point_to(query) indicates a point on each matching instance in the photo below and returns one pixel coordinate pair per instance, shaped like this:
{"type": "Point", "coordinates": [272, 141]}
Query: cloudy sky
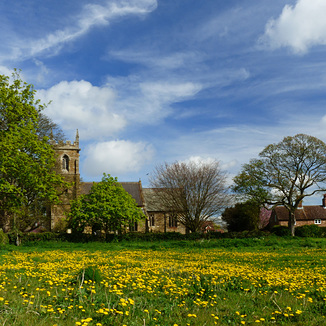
{"type": "Point", "coordinates": [149, 81]}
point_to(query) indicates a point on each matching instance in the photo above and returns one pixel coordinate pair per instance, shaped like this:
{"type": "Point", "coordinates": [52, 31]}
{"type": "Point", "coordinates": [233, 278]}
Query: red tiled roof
{"type": "Point", "coordinates": [302, 214]}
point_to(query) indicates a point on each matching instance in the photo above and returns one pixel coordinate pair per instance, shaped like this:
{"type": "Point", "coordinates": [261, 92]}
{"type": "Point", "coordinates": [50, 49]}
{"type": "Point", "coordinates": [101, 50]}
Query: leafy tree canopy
{"type": "Point", "coordinates": [107, 207]}
{"type": "Point", "coordinates": [285, 173]}
{"type": "Point", "coordinates": [242, 217]}
{"type": "Point", "coordinates": [27, 178]}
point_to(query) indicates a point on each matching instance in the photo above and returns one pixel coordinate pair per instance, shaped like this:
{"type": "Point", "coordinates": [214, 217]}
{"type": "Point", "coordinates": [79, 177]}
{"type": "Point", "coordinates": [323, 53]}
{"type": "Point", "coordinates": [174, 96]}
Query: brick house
{"type": "Point", "coordinates": [305, 215]}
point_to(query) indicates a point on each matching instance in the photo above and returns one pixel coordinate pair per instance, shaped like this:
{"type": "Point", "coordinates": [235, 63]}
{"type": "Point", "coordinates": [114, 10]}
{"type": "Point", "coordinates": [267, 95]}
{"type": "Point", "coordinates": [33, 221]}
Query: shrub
{"type": "Point", "coordinates": [312, 231]}
{"type": "Point", "coordinates": [30, 237]}
{"type": "Point", "coordinates": [323, 231]}
{"type": "Point", "coordinates": [281, 231]}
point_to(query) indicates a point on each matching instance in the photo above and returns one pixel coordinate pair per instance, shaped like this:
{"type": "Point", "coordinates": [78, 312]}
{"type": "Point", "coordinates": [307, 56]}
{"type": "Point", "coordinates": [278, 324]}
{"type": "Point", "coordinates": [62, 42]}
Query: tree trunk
{"type": "Point", "coordinates": [5, 221]}
{"type": "Point", "coordinates": [292, 223]}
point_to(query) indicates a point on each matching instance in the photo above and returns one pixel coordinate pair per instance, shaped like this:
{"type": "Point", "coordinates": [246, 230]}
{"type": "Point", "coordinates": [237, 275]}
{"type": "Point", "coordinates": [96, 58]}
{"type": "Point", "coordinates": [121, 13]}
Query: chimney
{"type": "Point", "coordinates": [324, 201]}
{"type": "Point", "coordinates": [300, 205]}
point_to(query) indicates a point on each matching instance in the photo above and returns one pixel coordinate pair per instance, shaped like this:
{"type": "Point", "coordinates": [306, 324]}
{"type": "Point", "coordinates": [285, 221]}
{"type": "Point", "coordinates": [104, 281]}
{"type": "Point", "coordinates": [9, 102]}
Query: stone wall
{"type": "Point", "coordinates": [163, 223]}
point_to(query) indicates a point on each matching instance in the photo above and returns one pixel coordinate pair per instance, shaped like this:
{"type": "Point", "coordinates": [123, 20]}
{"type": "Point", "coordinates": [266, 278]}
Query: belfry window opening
{"type": "Point", "coordinates": [65, 162]}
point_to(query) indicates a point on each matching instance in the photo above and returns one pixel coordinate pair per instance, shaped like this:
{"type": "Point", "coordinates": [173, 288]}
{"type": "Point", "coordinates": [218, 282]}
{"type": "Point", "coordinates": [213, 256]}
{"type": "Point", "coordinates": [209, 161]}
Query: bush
{"type": "Point", "coordinates": [323, 231]}
{"type": "Point", "coordinates": [311, 231]}
{"type": "Point", "coordinates": [281, 231]}
{"type": "Point", "coordinates": [29, 237]}
{"type": "Point", "coordinates": [153, 236]}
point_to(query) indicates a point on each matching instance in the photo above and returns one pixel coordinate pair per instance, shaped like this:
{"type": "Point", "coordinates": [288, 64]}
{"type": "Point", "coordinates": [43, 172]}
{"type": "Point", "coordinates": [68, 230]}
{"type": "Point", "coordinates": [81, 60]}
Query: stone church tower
{"type": "Point", "coordinates": [67, 155]}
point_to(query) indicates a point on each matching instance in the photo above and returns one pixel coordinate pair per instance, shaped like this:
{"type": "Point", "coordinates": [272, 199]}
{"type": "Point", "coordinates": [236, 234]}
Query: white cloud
{"type": "Point", "coordinates": [168, 92]}
{"type": "Point", "coordinates": [92, 15]}
{"type": "Point", "coordinates": [298, 27]}
{"type": "Point", "coordinates": [105, 111]}
{"type": "Point", "coordinates": [148, 102]}
{"type": "Point", "coordinates": [80, 105]}
{"type": "Point", "coordinates": [116, 157]}
{"type": "Point", "coordinates": [157, 60]}
{"type": "Point", "coordinates": [200, 160]}
{"type": "Point", "coordinates": [5, 71]}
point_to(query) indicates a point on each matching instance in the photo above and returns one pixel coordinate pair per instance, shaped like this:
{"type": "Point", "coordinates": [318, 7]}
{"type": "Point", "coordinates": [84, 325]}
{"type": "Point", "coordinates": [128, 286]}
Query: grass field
{"type": "Point", "coordinates": [208, 282]}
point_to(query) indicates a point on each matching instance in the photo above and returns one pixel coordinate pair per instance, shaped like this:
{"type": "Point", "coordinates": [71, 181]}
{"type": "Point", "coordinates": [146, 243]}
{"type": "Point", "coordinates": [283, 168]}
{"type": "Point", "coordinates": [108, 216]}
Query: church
{"type": "Point", "coordinates": [67, 155]}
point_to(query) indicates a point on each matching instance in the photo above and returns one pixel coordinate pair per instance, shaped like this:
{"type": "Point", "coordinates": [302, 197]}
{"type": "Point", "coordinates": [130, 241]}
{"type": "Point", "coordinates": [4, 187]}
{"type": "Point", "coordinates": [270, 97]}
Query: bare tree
{"type": "Point", "coordinates": [194, 192]}
{"type": "Point", "coordinates": [48, 128]}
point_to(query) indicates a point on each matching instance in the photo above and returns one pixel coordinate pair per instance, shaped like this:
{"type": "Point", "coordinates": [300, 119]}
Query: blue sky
{"type": "Point", "coordinates": [149, 81]}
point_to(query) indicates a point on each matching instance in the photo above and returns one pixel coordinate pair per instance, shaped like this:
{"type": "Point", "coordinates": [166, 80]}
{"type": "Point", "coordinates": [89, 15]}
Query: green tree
{"type": "Point", "coordinates": [242, 217]}
{"type": "Point", "coordinates": [285, 174]}
{"type": "Point", "coordinates": [195, 192]}
{"type": "Point", "coordinates": [28, 182]}
{"type": "Point", "coordinates": [107, 206]}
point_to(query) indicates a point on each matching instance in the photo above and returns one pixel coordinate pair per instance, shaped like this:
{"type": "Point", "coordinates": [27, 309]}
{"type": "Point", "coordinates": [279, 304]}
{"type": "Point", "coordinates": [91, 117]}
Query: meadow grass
{"type": "Point", "coordinates": [207, 282]}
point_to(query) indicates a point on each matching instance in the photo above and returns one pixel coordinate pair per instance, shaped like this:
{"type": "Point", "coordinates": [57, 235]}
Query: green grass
{"type": "Point", "coordinates": [272, 281]}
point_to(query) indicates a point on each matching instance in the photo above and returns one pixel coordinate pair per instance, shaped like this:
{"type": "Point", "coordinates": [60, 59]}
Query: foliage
{"type": "Point", "coordinates": [4, 239]}
{"type": "Point", "coordinates": [194, 192]}
{"type": "Point", "coordinates": [281, 231]}
{"type": "Point", "coordinates": [242, 216]}
{"type": "Point", "coordinates": [33, 238]}
{"type": "Point", "coordinates": [107, 207]}
{"type": "Point", "coordinates": [313, 231]}
{"type": "Point", "coordinates": [285, 173]}
{"type": "Point", "coordinates": [90, 273]}
{"type": "Point", "coordinates": [28, 182]}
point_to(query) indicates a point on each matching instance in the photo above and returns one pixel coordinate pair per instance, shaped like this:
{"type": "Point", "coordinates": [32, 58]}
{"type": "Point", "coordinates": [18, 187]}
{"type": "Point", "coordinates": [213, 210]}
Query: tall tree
{"type": "Point", "coordinates": [107, 206]}
{"type": "Point", "coordinates": [27, 177]}
{"type": "Point", "coordinates": [194, 192]}
{"type": "Point", "coordinates": [242, 217]}
{"type": "Point", "coordinates": [285, 174]}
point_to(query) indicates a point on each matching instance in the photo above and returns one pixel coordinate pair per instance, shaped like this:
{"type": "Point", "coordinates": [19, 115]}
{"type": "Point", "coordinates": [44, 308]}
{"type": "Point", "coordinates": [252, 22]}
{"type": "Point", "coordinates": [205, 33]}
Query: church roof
{"type": "Point", "coordinates": [133, 188]}
{"type": "Point", "coordinates": [151, 200]}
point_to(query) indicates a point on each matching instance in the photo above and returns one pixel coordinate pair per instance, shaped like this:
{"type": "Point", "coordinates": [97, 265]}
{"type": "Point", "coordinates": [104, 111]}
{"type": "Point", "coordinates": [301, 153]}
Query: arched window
{"type": "Point", "coordinates": [65, 162]}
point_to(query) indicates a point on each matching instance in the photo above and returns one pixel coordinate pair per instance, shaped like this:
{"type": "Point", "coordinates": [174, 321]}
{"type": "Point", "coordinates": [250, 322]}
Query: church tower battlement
{"type": "Point", "coordinates": [67, 157]}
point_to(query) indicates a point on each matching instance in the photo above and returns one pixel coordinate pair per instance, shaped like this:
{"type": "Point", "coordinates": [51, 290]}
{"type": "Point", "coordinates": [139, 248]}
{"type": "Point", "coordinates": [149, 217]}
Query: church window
{"type": "Point", "coordinates": [65, 162]}
{"type": "Point", "coordinates": [133, 226]}
{"type": "Point", "coordinates": [151, 220]}
{"type": "Point", "coordinates": [173, 221]}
